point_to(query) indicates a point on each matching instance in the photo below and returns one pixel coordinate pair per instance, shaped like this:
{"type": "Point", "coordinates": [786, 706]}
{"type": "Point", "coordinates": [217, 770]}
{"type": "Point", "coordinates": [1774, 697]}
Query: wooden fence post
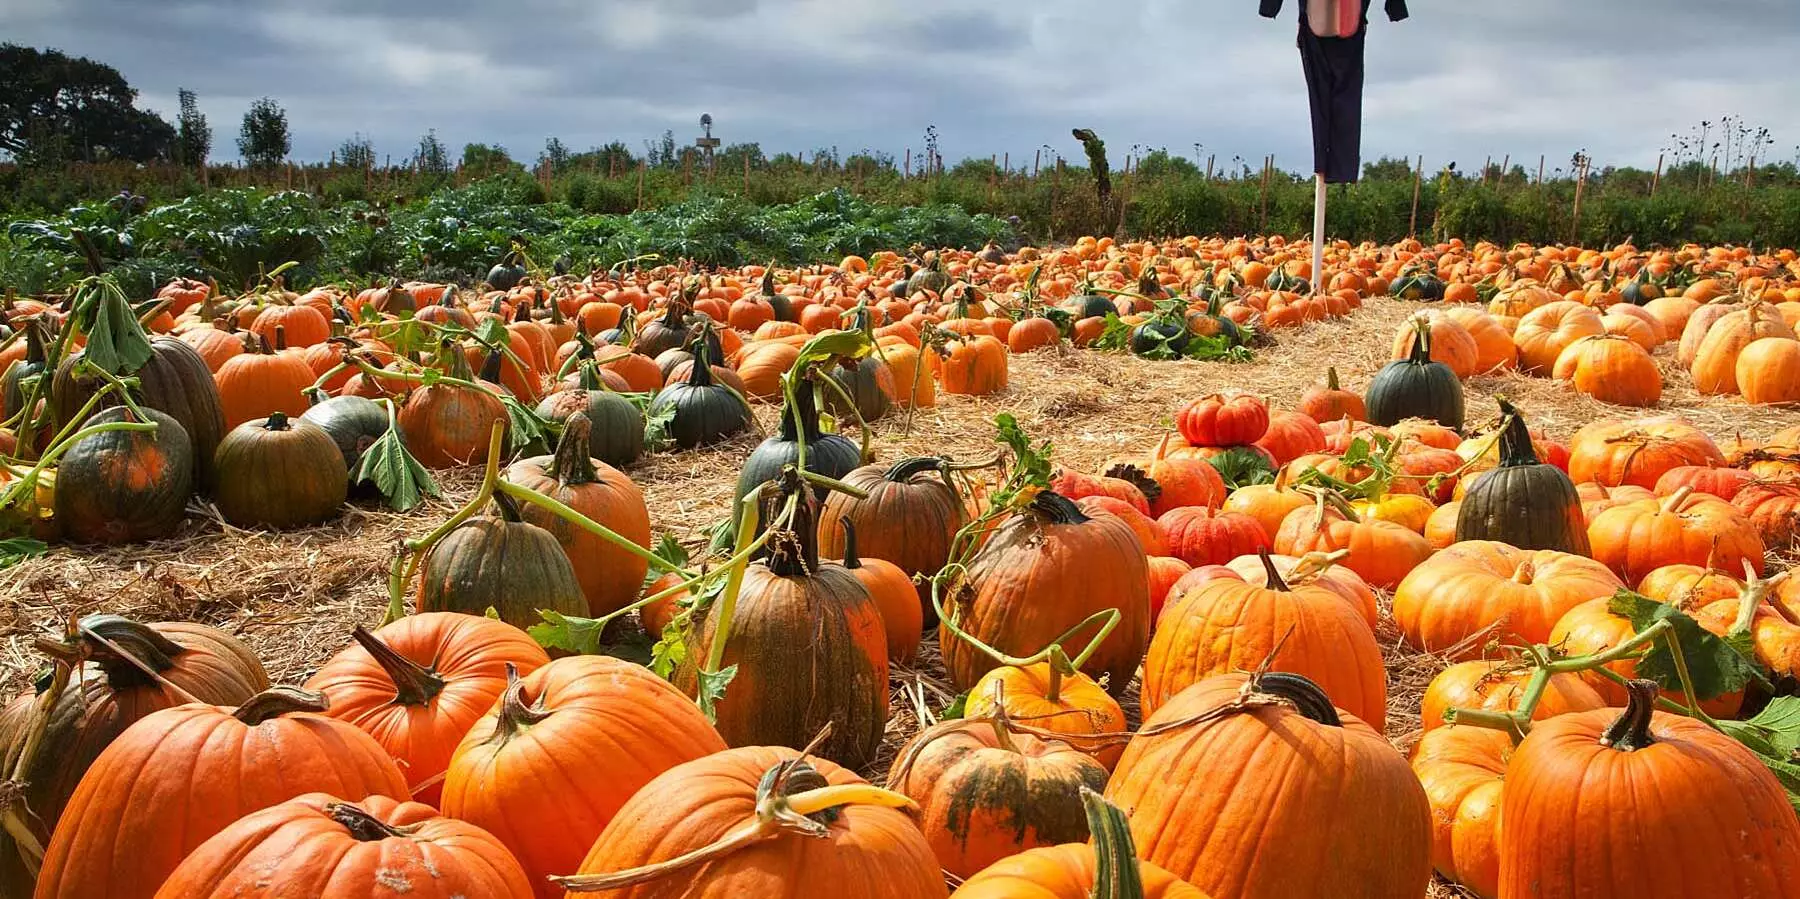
{"type": "Point", "coordinates": [1006, 162]}
{"type": "Point", "coordinates": [1037, 156]}
{"type": "Point", "coordinates": [1505, 165]}
{"type": "Point", "coordinates": [1412, 224]}
{"type": "Point", "coordinates": [1209, 165]}
{"type": "Point", "coordinates": [1262, 198]}
{"type": "Point", "coordinates": [1656, 179]}
{"type": "Point", "coordinates": [1575, 215]}
{"type": "Point", "coordinates": [907, 171]}
{"type": "Point", "coordinates": [643, 165]}
{"type": "Point", "coordinates": [1540, 179]}
{"type": "Point", "coordinates": [1485, 167]}
{"type": "Point", "coordinates": [746, 174]}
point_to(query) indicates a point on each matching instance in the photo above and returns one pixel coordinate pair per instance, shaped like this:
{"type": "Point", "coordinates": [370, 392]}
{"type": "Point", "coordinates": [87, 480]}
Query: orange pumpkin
{"type": "Point", "coordinates": [1611, 369]}
{"type": "Point", "coordinates": [1637, 451]}
{"type": "Point", "coordinates": [1498, 686]}
{"type": "Point", "coordinates": [1635, 538]}
{"type": "Point", "coordinates": [1480, 589]}
{"type": "Point", "coordinates": [1462, 770]}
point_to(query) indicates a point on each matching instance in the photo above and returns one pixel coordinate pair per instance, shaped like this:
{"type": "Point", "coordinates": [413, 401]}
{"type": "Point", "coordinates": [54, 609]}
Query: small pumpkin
{"type": "Point", "coordinates": [1463, 770]}
{"type": "Point", "coordinates": [1635, 538]}
{"type": "Point", "coordinates": [1416, 387]}
{"type": "Point", "coordinates": [354, 423]}
{"type": "Point", "coordinates": [1331, 402]}
{"type": "Point", "coordinates": [1108, 868]}
{"type": "Point", "coordinates": [1053, 697]}
{"type": "Point", "coordinates": [123, 486]}
{"type": "Point", "coordinates": [831, 455]}
{"type": "Point", "coordinates": [909, 515]}
{"type": "Point", "coordinates": [1523, 502]}
{"type": "Point", "coordinates": [267, 379]}
{"type": "Point", "coordinates": [1498, 686]}
{"type": "Point", "coordinates": [1219, 420]}
{"type": "Point", "coordinates": [701, 412]}
{"type": "Point", "coordinates": [894, 596]}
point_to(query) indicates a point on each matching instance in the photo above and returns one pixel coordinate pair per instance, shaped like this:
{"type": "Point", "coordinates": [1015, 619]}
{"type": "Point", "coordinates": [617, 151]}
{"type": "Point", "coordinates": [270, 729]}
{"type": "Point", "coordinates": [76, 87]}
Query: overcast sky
{"type": "Point", "coordinates": [1519, 77]}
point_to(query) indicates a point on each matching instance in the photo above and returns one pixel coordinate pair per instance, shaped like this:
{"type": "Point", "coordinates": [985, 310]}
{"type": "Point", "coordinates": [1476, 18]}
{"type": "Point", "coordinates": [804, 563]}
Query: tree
{"type": "Point", "coordinates": [55, 108]}
{"type": "Point", "coordinates": [556, 154]}
{"type": "Point", "coordinates": [193, 137]}
{"type": "Point", "coordinates": [482, 160]}
{"type": "Point", "coordinates": [431, 157]}
{"type": "Point", "coordinates": [356, 152]}
{"type": "Point", "coordinates": [263, 138]}
{"type": "Point", "coordinates": [662, 155]}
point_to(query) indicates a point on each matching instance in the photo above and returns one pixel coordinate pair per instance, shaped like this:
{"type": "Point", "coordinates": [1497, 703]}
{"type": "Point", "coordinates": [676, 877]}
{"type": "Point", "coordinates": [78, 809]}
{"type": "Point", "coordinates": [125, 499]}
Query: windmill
{"type": "Point", "coordinates": [707, 143]}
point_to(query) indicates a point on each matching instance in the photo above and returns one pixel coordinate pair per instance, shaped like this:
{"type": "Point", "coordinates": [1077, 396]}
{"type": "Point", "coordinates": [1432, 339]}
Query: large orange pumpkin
{"type": "Point", "coordinates": [1462, 770]}
{"type": "Point", "coordinates": [1686, 528]}
{"type": "Point", "coordinates": [1545, 332]}
{"type": "Point", "coordinates": [1480, 589]}
{"type": "Point", "coordinates": [1637, 451]}
{"type": "Point", "coordinates": [1382, 552]}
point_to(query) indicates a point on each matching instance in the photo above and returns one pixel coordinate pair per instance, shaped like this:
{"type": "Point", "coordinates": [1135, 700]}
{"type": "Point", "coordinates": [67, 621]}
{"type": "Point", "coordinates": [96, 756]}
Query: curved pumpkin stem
{"type": "Point", "coordinates": [364, 827]}
{"type": "Point", "coordinates": [1116, 874]}
{"type": "Point", "coordinates": [1631, 731]}
{"type": "Point", "coordinates": [572, 466]}
{"type": "Point", "coordinates": [1305, 695]}
{"type": "Point", "coordinates": [414, 684]}
{"type": "Point", "coordinates": [1677, 499]}
{"type": "Point", "coordinates": [516, 712]}
{"type": "Point", "coordinates": [1276, 582]}
{"type": "Point", "coordinates": [278, 701]}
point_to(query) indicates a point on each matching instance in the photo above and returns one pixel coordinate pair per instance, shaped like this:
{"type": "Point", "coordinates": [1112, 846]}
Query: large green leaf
{"type": "Point", "coordinates": [1717, 665]}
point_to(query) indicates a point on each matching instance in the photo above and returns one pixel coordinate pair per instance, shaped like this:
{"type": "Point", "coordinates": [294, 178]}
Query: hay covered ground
{"type": "Point", "coordinates": [294, 597]}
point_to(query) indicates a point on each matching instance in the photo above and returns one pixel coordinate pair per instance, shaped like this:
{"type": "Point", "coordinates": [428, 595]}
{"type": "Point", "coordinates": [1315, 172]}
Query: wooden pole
{"type": "Point", "coordinates": [1412, 225]}
{"type": "Point", "coordinates": [746, 174]}
{"type": "Point", "coordinates": [1209, 165]}
{"type": "Point", "coordinates": [1318, 254]}
{"type": "Point", "coordinates": [1037, 156]}
{"type": "Point", "coordinates": [1505, 165]}
{"type": "Point", "coordinates": [643, 164]}
{"type": "Point", "coordinates": [1262, 199]}
{"type": "Point", "coordinates": [1750, 174]}
{"type": "Point", "coordinates": [1656, 179]}
{"type": "Point", "coordinates": [907, 172]}
{"type": "Point", "coordinates": [1006, 162]}
{"type": "Point", "coordinates": [1575, 214]}
{"type": "Point", "coordinates": [1485, 168]}
{"type": "Point", "coordinates": [1540, 179]}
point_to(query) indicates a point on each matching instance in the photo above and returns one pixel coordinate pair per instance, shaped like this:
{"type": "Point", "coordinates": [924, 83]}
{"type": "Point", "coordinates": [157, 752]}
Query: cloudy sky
{"type": "Point", "coordinates": [1521, 77]}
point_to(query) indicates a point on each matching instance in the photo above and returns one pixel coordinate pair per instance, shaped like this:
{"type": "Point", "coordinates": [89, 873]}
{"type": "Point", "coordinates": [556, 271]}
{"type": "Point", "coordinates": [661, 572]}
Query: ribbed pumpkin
{"type": "Point", "coordinates": [354, 423]}
{"type": "Point", "coordinates": [1610, 369]}
{"type": "Point", "coordinates": [832, 455]}
{"type": "Point", "coordinates": [1381, 552]}
{"type": "Point", "coordinates": [1768, 371]}
{"type": "Point", "coordinates": [1040, 574]}
{"type": "Point", "coordinates": [974, 366]}
{"type": "Point", "coordinates": [1462, 770]}
{"type": "Point", "coordinates": [1774, 508]}
{"type": "Point", "coordinates": [1078, 486]}
{"type": "Point", "coordinates": [320, 845]}
{"type": "Point", "coordinates": [110, 693]}
{"type": "Point", "coordinates": [1225, 625]}
{"type": "Point", "coordinates": [1149, 531]}
{"type": "Point", "coordinates": [761, 366]}
{"type": "Point", "coordinates": [1109, 868]}
{"type": "Point", "coordinates": [501, 562]}
{"type": "Point", "coordinates": [1219, 420]}
{"type": "Point", "coordinates": [828, 834]}
{"type": "Point", "coordinates": [1200, 536]}
{"type": "Point", "coordinates": [31, 365]}
{"type": "Point", "coordinates": [809, 645]}
{"type": "Point", "coordinates": [125, 486]}
{"type": "Point", "coordinates": [1723, 483]}
{"type": "Point", "coordinates": [1229, 769]}
{"type": "Point", "coordinates": [870, 385]}
{"type": "Point", "coordinates": [1451, 343]}
{"type": "Point", "coordinates": [417, 686]}
{"type": "Point", "coordinates": [176, 777]}
{"type": "Point", "coordinates": [1170, 482]}
{"type": "Point", "coordinates": [1312, 570]}
{"type": "Point", "coordinates": [610, 576]}
{"type": "Point", "coordinates": [616, 427]}
{"type": "Point", "coordinates": [1544, 332]}
{"type": "Point", "coordinates": [1416, 387]}
{"type": "Point", "coordinates": [1628, 787]}
{"type": "Point", "coordinates": [448, 425]}
{"type": "Point", "coordinates": [267, 379]}
{"type": "Point", "coordinates": [559, 755]}
{"type": "Point", "coordinates": [1689, 586]}
{"type": "Point", "coordinates": [280, 473]}
{"type": "Point", "coordinates": [1269, 504]}
{"type": "Point", "coordinates": [175, 381]}
{"type": "Point", "coordinates": [702, 412]}
{"type": "Point", "coordinates": [1331, 402]}
{"type": "Point", "coordinates": [1481, 587]}
{"type": "Point", "coordinates": [894, 596]}
{"type": "Point", "coordinates": [1638, 451]}
{"type": "Point", "coordinates": [1494, 347]}
{"type": "Point", "coordinates": [985, 793]}
{"type": "Point", "coordinates": [1498, 686]}
{"type": "Point", "coordinates": [1067, 703]}
{"type": "Point", "coordinates": [1635, 538]}
{"type": "Point", "coordinates": [1715, 360]}
{"type": "Point", "coordinates": [1524, 502]}
{"type": "Point", "coordinates": [909, 515]}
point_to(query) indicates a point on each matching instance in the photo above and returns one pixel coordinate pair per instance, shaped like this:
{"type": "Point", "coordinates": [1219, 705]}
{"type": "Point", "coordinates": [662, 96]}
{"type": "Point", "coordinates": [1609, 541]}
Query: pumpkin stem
{"type": "Point", "coordinates": [1276, 581]}
{"type": "Point", "coordinates": [795, 553]}
{"type": "Point", "coordinates": [1525, 573]}
{"type": "Point", "coordinates": [1515, 437]}
{"type": "Point", "coordinates": [701, 374]}
{"type": "Point", "coordinates": [280, 338]}
{"type": "Point", "coordinates": [1421, 348]}
{"type": "Point", "coordinates": [1057, 509]}
{"type": "Point", "coordinates": [1306, 696]}
{"type": "Point", "coordinates": [414, 684]}
{"type": "Point", "coordinates": [515, 711]}
{"type": "Point", "coordinates": [1331, 378]}
{"type": "Point", "coordinates": [121, 647]}
{"type": "Point", "coordinates": [278, 701]}
{"type": "Point", "coordinates": [490, 366]}
{"type": "Point", "coordinates": [1678, 498]}
{"type": "Point", "coordinates": [509, 507]}
{"type": "Point", "coordinates": [851, 560]}
{"type": "Point", "coordinates": [277, 421]}
{"type": "Point", "coordinates": [1631, 731]}
{"type": "Point", "coordinates": [572, 466]}
{"type": "Point", "coordinates": [1116, 874]}
{"type": "Point", "coordinates": [903, 470]}
{"type": "Point", "coordinates": [364, 827]}
{"type": "Point", "coordinates": [803, 414]}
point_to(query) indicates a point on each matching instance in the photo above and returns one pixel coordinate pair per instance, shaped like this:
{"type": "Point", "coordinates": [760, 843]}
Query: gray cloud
{"type": "Point", "coordinates": [1521, 79]}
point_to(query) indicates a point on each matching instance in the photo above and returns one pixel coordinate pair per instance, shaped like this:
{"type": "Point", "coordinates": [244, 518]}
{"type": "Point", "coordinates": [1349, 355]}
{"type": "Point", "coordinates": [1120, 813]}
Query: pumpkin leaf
{"type": "Point", "coordinates": [1115, 336]}
{"type": "Point", "coordinates": [14, 550]}
{"type": "Point", "coordinates": [656, 426]}
{"type": "Point", "coordinates": [1241, 467]}
{"type": "Point", "coordinates": [492, 332]}
{"type": "Point", "coordinates": [568, 633]}
{"type": "Point", "coordinates": [116, 343]}
{"type": "Point", "coordinates": [671, 650]}
{"type": "Point", "coordinates": [1774, 732]}
{"type": "Point", "coordinates": [403, 482]}
{"type": "Point", "coordinates": [523, 425]}
{"type": "Point", "coordinates": [671, 551]}
{"type": "Point", "coordinates": [712, 689]}
{"type": "Point", "coordinates": [1717, 665]}
{"type": "Point", "coordinates": [1031, 464]}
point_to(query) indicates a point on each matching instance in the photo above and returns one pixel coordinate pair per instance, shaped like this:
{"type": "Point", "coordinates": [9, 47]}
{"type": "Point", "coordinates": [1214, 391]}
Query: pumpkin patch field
{"type": "Point", "coordinates": [1110, 569]}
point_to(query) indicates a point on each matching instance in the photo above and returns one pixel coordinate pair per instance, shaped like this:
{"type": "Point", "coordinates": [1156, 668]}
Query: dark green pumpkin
{"type": "Point", "coordinates": [1160, 337]}
{"type": "Point", "coordinates": [175, 381]}
{"type": "Point", "coordinates": [354, 423]}
{"type": "Point", "coordinates": [667, 332]}
{"type": "Point", "coordinates": [506, 275]}
{"type": "Point", "coordinates": [832, 455]}
{"type": "Point", "coordinates": [1634, 291]}
{"type": "Point", "coordinates": [502, 563]}
{"type": "Point", "coordinates": [703, 411]}
{"type": "Point", "coordinates": [784, 310]}
{"type": "Point", "coordinates": [617, 434]}
{"type": "Point", "coordinates": [1416, 387]}
{"type": "Point", "coordinates": [280, 473]}
{"type": "Point", "coordinates": [1522, 501]}
{"type": "Point", "coordinates": [125, 486]}
{"type": "Point", "coordinates": [869, 384]}
{"type": "Point", "coordinates": [1092, 306]}
{"type": "Point", "coordinates": [12, 383]}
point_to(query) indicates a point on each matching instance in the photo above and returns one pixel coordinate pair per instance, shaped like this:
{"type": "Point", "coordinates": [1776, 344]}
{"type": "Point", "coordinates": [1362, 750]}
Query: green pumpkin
{"type": "Point", "coordinates": [125, 486]}
{"type": "Point", "coordinates": [1523, 502]}
{"type": "Point", "coordinates": [784, 310]}
{"type": "Point", "coordinates": [702, 412]}
{"type": "Point", "coordinates": [1416, 387]}
{"type": "Point", "coordinates": [354, 422]}
{"type": "Point", "coordinates": [12, 383]}
{"type": "Point", "coordinates": [501, 563]}
{"type": "Point", "coordinates": [832, 455]}
{"type": "Point", "coordinates": [617, 434]}
{"type": "Point", "coordinates": [280, 473]}
{"type": "Point", "coordinates": [869, 384]}
{"type": "Point", "coordinates": [175, 380]}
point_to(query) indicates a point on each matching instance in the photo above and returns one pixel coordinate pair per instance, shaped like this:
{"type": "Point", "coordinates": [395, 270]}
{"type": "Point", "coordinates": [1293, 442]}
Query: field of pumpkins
{"type": "Point", "coordinates": [1109, 570]}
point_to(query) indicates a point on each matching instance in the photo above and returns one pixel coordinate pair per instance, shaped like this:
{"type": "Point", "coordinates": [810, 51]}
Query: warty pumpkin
{"type": "Point", "coordinates": [419, 684]}
{"type": "Point", "coordinates": [178, 776]}
{"type": "Point", "coordinates": [1199, 536]}
{"type": "Point", "coordinates": [550, 765]}
{"type": "Point", "coordinates": [1635, 538]}
{"type": "Point", "coordinates": [280, 473]}
{"type": "Point", "coordinates": [1108, 868]}
{"type": "Point", "coordinates": [501, 562]}
{"type": "Point", "coordinates": [1522, 501]}
{"type": "Point", "coordinates": [1270, 757]}
{"type": "Point", "coordinates": [320, 845]}
{"type": "Point", "coordinates": [1628, 787]}
{"type": "Point", "coordinates": [1484, 589]}
{"type": "Point", "coordinates": [1381, 552]}
{"type": "Point", "coordinates": [1225, 625]}
{"type": "Point", "coordinates": [1042, 572]}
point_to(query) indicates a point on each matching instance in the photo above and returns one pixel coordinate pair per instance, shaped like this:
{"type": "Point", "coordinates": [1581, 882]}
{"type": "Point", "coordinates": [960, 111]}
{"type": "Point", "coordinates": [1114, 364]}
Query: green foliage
{"type": "Point", "coordinates": [56, 108]}
{"type": "Point", "coordinates": [14, 550]}
{"type": "Point", "coordinates": [1717, 665]}
{"type": "Point", "coordinates": [1774, 735]}
{"type": "Point", "coordinates": [263, 137]}
{"type": "Point", "coordinates": [1242, 467]}
{"type": "Point", "coordinates": [393, 470]}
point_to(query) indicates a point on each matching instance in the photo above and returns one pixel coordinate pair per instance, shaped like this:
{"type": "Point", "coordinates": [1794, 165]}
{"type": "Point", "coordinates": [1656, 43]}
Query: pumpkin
{"type": "Point", "coordinates": [111, 692]}
{"type": "Point", "coordinates": [1699, 322]}
{"type": "Point", "coordinates": [419, 684]}
{"type": "Point", "coordinates": [1498, 686]}
{"type": "Point", "coordinates": [1650, 775]}
{"type": "Point", "coordinates": [1773, 632]}
{"type": "Point", "coordinates": [1592, 628]}
{"type": "Point", "coordinates": [1494, 347]}
{"type": "Point", "coordinates": [1715, 362]}
{"type": "Point", "coordinates": [1219, 420]}
{"type": "Point", "coordinates": [501, 562]}
{"type": "Point", "coordinates": [901, 616]}
{"type": "Point", "coordinates": [701, 412]}
{"type": "Point", "coordinates": [177, 777]}
{"type": "Point", "coordinates": [550, 764]}
{"type": "Point", "coordinates": [1637, 452]}
{"type": "Point", "coordinates": [915, 374]}
{"type": "Point", "coordinates": [1199, 536]}
{"type": "Point", "coordinates": [318, 842]}
{"type": "Point", "coordinates": [723, 826]}
{"type": "Point", "coordinates": [974, 366]}
{"type": "Point", "coordinates": [1480, 589]}
{"type": "Point", "coordinates": [1170, 482]}
{"type": "Point", "coordinates": [1228, 758]}
{"type": "Point", "coordinates": [1080, 486]}
{"type": "Point", "coordinates": [1033, 333]}
{"type": "Point", "coordinates": [354, 423]}
{"type": "Point", "coordinates": [1635, 538]}
{"type": "Point", "coordinates": [1055, 699]}
{"type": "Point", "coordinates": [832, 455]}
{"type": "Point", "coordinates": [1163, 572]}
{"type": "Point", "coordinates": [1774, 508]}
{"type": "Point", "coordinates": [1462, 770]}
{"type": "Point", "coordinates": [1290, 436]}
{"type": "Point", "coordinates": [1689, 586]}
{"type": "Point", "coordinates": [123, 486]}
{"type": "Point", "coordinates": [1267, 503]}
{"type": "Point", "coordinates": [1332, 402]}
{"type": "Point", "coordinates": [279, 473]}
{"type": "Point", "coordinates": [448, 425]}
{"type": "Point", "coordinates": [869, 385]}
{"type": "Point", "coordinates": [1522, 502]}
{"type": "Point", "coordinates": [985, 793]}
{"type": "Point", "coordinates": [809, 645]}
{"type": "Point", "coordinates": [1110, 867]}
{"type": "Point", "coordinates": [1312, 570]}
{"type": "Point", "coordinates": [1767, 370]}
{"type": "Point", "coordinates": [1544, 332]}
{"type": "Point", "coordinates": [298, 326]}
{"type": "Point", "coordinates": [615, 426]}
{"type": "Point", "coordinates": [1381, 552]}
{"type": "Point", "coordinates": [909, 515]}
{"type": "Point", "coordinates": [1723, 483]}
{"type": "Point", "coordinates": [1610, 369]}
{"type": "Point", "coordinates": [1042, 572]}
{"type": "Point", "coordinates": [267, 379]}
{"type": "Point", "coordinates": [1416, 387]}
{"type": "Point", "coordinates": [175, 381]}
{"type": "Point", "coordinates": [610, 576]}
{"type": "Point", "coordinates": [1451, 343]}
{"type": "Point", "coordinates": [32, 365]}
{"type": "Point", "coordinates": [761, 367]}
